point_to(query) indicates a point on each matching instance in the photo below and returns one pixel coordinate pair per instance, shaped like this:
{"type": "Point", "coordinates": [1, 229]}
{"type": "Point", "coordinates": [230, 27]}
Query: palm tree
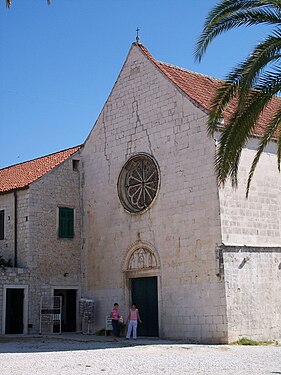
{"type": "Point", "coordinates": [250, 89]}
{"type": "Point", "coordinates": [9, 3]}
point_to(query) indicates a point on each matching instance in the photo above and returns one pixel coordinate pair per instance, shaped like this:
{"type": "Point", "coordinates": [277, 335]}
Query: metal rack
{"type": "Point", "coordinates": [50, 314]}
{"type": "Point", "coordinates": [86, 312]}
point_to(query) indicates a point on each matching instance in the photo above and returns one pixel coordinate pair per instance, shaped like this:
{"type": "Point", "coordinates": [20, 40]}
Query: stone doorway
{"type": "Point", "coordinates": [145, 296]}
{"type": "Point", "coordinates": [14, 311]}
{"type": "Point", "coordinates": [141, 267]}
{"type": "Point", "coordinates": [68, 313]}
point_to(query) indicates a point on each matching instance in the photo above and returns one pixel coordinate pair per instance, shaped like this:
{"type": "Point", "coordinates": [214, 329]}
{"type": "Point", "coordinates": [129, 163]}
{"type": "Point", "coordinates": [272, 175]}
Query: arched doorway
{"type": "Point", "coordinates": [142, 279]}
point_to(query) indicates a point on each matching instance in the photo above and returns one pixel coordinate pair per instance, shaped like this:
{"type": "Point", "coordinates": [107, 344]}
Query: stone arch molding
{"type": "Point", "coordinates": [141, 256]}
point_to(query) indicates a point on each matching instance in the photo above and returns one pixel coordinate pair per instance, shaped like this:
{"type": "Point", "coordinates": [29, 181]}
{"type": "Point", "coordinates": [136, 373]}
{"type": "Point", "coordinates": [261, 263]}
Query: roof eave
{"type": "Point", "coordinates": [14, 190]}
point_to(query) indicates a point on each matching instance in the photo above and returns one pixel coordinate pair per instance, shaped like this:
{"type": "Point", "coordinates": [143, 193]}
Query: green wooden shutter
{"type": "Point", "coordinates": [2, 224]}
{"type": "Point", "coordinates": [66, 222]}
{"type": "Point", "coordinates": [70, 222]}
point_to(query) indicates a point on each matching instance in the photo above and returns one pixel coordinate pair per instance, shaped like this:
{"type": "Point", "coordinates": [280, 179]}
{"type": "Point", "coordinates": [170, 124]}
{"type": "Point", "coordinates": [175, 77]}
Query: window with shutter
{"type": "Point", "coordinates": [2, 215]}
{"type": "Point", "coordinates": [66, 222]}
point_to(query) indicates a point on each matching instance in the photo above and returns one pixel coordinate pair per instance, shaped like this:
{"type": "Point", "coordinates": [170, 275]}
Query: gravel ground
{"type": "Point", "coordinates": [48, 357]}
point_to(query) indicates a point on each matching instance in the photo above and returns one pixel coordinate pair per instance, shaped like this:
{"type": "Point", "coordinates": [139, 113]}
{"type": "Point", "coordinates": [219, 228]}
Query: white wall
{"type": "Point", "coordinates": [254, 221]}
{"type": "Point", "coordinates": [251, 234]}
{"type": "Point", "coordinates": [253, 287]}
{"type": "Point", "coordinates": [146, 113]}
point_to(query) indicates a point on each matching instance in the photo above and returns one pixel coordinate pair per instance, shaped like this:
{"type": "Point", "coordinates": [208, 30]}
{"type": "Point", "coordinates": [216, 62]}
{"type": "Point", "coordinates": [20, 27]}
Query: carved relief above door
{"type": "Point", "coordinates": [141, 256]}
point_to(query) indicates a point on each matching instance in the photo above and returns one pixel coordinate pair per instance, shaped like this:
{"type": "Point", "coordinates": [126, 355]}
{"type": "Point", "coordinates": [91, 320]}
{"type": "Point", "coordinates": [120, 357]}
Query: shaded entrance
{"type": "Point", "coordinates": [14, 310]}
{"type": "Point", "coordinates": [145, 296]}
{"type": "Point", "coordinates": [68, 312]}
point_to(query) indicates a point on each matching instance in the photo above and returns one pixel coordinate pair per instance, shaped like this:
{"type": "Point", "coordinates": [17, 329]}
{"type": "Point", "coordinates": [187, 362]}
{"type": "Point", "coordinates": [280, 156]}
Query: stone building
{"type": "Point", "coordinates": [45, 255]}
{"type": "Point", "coordinates": [202, 263]}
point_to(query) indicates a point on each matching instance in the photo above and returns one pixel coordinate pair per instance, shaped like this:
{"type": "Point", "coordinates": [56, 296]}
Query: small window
{"type": "Point", "coordinates": [66, 222]}
{"type": "Point", "coordinates": [2, 215]}
{"type": "Point", "coordinates": [75, 165]}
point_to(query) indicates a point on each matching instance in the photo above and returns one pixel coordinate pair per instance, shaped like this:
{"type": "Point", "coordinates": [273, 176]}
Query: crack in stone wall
{"type": "Point", "coordinates": [138, 124]}
{"type": "Point", "coordinates": [107, 157]}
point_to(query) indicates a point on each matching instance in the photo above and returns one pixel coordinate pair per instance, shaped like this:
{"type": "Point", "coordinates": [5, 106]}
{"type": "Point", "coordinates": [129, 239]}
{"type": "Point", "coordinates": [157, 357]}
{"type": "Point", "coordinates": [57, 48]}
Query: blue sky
{"type": "Point", "coordinates": [58, 63]}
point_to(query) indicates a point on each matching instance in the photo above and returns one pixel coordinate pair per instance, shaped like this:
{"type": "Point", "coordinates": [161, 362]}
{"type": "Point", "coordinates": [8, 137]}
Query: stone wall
{"type": "Point", "coordinates": [53, 262]}
{"type": "Point", "coordinates": [253, 289]}
{"type": "Point", "coordinates": [19, 277]}
{"type": "Point", "coordinates": [253, 221]}
{"type": "Point", "coordinates": [51, 256]}
{"type": "Point", "coordinates": [23, 228]}
{"type": "Point", "coordinates": [146, 113]}
{"type": "Point", "coordinates": [251, 231]}
{"type": "Point", "coordinates": [7, 203]}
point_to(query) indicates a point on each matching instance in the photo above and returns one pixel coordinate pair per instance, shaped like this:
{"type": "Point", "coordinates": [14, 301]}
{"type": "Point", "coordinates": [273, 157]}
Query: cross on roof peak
{"type": "Point", "coordinates": [137, 36]}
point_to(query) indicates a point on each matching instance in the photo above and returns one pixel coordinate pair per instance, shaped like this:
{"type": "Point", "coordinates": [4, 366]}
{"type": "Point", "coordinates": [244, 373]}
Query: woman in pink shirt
{"type": "Point", "coordinates": [133, 319]}
{"type": "Point", "coordinates": [115, 321]}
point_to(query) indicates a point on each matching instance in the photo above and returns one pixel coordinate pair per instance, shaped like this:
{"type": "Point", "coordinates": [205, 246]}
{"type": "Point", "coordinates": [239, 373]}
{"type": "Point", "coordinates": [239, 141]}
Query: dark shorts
{"type": "Point", "coordinates": [116, 327]}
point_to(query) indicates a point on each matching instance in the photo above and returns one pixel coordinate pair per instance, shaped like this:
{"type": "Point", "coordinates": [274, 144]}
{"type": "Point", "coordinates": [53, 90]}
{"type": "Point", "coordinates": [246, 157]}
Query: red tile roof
{"type": "Point", "coordinates": [21, 175]}
{"type": "Point", "coordinates": [201, 89]}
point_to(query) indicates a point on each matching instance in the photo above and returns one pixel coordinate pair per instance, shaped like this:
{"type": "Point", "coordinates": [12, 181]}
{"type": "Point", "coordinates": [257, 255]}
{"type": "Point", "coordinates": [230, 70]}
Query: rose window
{"type": "Point", "coordinates": [138, 183]}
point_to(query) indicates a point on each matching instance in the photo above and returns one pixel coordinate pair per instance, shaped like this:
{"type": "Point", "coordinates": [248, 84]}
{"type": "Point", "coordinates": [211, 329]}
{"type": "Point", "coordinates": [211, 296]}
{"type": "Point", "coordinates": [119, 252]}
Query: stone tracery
{"type": "Point", "coordinates": [138, 183]}
{"type": "Point", "coordinates": [142, 258]}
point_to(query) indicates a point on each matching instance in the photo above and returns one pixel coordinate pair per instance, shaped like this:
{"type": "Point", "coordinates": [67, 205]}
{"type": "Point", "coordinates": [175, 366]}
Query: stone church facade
{"type": "Point", "coordinates": [151, 225]}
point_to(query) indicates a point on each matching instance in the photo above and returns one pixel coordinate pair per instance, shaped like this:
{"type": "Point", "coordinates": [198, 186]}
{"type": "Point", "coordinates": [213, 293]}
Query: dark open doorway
{"type": "Point", "coordinates": [14, 310]}
{"type": "Point", "coordinates": [68, 314]}
{"type": "Point", "coordinates": [145, 296]}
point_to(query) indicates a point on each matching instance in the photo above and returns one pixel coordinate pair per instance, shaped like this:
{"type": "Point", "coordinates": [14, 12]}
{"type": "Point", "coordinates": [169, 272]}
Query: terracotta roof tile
{"type": "Point", "coordinates": [21, 175]}
{"type": "Point", "coordinates": [201, 89]}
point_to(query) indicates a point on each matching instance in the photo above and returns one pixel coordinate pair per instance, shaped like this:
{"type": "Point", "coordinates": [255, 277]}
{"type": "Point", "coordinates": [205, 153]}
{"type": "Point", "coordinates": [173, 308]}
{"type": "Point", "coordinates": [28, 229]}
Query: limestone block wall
{"type": "Point", "coordinates": [23, 228]}
{"type": "Point", "coordinates": [19, 277]}
{"type": "Point", "coordinates": [23, 278]}
{"type": "Point", "coordinates": [146, 113]}
{"type": "Point", "coordinates": [50, 256]}
{"type": "Point", "coordinates": [45, 261]}
{"type": "Point", "coordinates": [8, 202]}
{"type": "Point", "coordinates": [251, 234]}
{"type": "Point", "coordinates": [6, 245]}
{"type": "Point", "coordinates": [253, 287]}
{"type": "Point", "coordinates": [254, 221]}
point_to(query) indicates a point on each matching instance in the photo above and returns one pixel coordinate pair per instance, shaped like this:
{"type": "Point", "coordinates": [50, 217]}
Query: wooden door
{"type": "Point", "coordinates": [14, 310]}
{"type": "Point", "coordinates": [145, 296]}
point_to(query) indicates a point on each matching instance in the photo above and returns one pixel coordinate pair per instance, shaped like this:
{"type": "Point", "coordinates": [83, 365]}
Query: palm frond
{"type": "Point", "coordinates": [224, 94]}
{"type": "Point", "coordinates": [236, 133]}
{"type": "Point", "coordinates": [248, 72]}
{"type": "Point", "coordinates": [9, 3]}
{"type": "Point", "coordinates": [231, 14]}
{"type": "Point", "coordinates": [244, 78]}
{"type": "Point", "coordinates": [270, 81]}
{"type": "Point", "coordinates": [273, 126]}
{"type": "Point", "coordinates": [242, 124]}
{"type": "Point", "coordinates": [249, 88]}
{"type": "Point", "coordinates": [279, 151]}
{"type": "Point", "coordinates": [234, 171]}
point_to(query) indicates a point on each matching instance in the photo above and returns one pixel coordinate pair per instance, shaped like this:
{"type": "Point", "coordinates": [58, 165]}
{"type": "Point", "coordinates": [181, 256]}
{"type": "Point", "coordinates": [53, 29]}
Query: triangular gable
{"type": "Point", "coordinates": [201, 89]}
